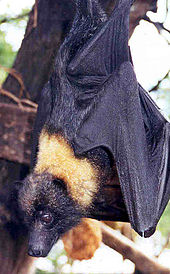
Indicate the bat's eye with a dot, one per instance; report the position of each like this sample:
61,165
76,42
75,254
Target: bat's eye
47,218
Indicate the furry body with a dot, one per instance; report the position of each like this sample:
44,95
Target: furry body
56,157
92,111
63,185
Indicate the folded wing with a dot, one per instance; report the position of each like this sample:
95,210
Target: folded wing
125,121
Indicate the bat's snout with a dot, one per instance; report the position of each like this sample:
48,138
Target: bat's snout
39,247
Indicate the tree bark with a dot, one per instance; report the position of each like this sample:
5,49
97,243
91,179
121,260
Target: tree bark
15,133
47,26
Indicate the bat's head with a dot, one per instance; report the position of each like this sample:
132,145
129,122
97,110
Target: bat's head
48,211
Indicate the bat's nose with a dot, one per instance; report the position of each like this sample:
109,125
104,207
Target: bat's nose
35,252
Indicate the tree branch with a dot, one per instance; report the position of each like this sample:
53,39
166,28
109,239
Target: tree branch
159,26
156,87
129,250
9,19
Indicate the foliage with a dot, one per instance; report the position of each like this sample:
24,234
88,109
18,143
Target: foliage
7,56
58,258
164,224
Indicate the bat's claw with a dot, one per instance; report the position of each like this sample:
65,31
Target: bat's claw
147,233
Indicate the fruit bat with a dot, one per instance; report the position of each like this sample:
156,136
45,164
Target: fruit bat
93,112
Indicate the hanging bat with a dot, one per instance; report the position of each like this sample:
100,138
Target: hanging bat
93,114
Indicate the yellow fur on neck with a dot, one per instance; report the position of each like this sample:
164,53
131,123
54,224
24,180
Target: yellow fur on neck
56,156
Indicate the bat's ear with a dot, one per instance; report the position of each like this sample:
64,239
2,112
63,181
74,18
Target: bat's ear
60,183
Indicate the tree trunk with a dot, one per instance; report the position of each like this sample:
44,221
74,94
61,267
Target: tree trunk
34,63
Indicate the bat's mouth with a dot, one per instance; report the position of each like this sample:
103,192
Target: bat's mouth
41,249
39,252
36,253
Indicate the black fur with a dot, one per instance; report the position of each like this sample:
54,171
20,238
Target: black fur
42,193
95,102
59,106
39,195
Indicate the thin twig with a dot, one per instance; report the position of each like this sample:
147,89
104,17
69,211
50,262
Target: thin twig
29,102
159,26
17,76
20,102
9,19
159,82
